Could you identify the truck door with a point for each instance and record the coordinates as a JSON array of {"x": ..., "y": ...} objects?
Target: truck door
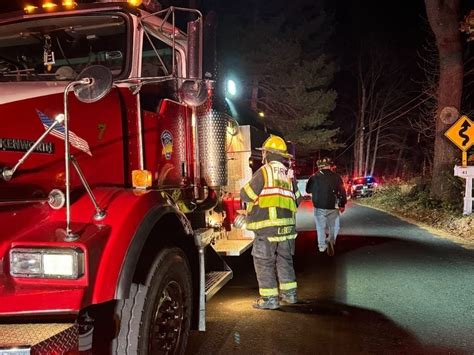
[{"x": 166, "y": 122}]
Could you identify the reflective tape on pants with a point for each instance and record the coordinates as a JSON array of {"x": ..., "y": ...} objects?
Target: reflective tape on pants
[
  {"x": 268, "y": 292},
  {"x": 288, "y": 286},
  {"x": 282, "y": 238}
]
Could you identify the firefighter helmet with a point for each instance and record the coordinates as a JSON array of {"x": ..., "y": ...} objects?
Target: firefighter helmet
[
  {"x": 324, "y": 163},
  {"x": 277, "y": 145}
]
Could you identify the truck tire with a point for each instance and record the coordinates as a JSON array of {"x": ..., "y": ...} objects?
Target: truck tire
[{"x": 156, "y": 317}]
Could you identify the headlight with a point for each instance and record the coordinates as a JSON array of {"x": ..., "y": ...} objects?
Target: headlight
[{"x": 61, "y": 263}]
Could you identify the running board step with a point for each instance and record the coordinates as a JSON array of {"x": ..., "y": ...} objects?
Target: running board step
[
  {"x": 232, "y": 247},
  {"x": 203, "y": 237},
  {"x": 215, "y": 280}
]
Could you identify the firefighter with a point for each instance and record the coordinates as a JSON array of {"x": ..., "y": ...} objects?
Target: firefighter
[{"x": 272, "y": 197}]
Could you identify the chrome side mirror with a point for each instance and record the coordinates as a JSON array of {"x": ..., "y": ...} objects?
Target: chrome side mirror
[
  {"x": 96, "y": 83},
  {"x": 193, "y": 92}
]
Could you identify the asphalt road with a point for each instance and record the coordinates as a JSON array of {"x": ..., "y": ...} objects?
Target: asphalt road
[{"x": 391, "y": 288}]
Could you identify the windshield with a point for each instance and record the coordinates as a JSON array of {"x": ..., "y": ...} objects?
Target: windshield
[{"x": 59, "y": 48}]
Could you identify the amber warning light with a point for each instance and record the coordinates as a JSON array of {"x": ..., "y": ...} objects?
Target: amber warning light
[
  {"x": 135, "y": 2},
  {"x": 50, "y": 6},
  {"x": 141, "y": 179},
  {"x": 30, "y": 9},
  {"x": 69, "y": 4}
]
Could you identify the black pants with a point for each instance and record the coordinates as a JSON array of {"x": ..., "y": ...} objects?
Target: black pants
[{"x": 273, "y": 262}]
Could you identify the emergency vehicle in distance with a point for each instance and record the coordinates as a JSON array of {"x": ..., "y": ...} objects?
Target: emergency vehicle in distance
[{"x": 119, "y": 178}]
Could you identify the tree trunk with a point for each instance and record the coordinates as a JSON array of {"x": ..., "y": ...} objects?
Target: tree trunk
[
  {"x": 367, "y": 151},
  {"x": 443, "y": 16},
  {"x": 361, "y": 146},
  {"x": 356, "y": 148},
  {"x": 400, "y": 156},
  {"x": 254, "y": 96},
  {"x": 376, "y": 148},
  {"x": 359, "y": 161}
]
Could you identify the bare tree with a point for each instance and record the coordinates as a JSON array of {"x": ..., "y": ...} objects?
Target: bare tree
[{"x": 384, "y": 101}]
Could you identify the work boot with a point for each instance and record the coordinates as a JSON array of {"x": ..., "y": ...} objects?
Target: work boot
[
  {"x": 289, "y": 297},
  {"x": 267, "y": 303},
  {"x": 330, "y": 244}
]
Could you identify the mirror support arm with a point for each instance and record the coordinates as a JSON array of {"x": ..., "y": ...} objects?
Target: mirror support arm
[
  {"x": 100, "y": 214},
  {"x": 7, "y": 174},
  {"x": 67, "y": 157}
]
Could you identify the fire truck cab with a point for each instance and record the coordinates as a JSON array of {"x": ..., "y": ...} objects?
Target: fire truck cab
[{"x": 119, "y": 179}]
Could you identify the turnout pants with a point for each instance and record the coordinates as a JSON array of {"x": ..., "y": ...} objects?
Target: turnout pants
[
  {"x": 326, "y": 218},
  {"x": 273, "y": 262}
]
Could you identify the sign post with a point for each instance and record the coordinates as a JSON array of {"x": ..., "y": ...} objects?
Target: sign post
[
  {"x": 461, "y": 133},
  {"x": 468, "y": 174}
]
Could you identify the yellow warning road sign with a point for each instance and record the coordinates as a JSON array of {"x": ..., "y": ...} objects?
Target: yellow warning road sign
[{"x": 461, "y": 133}]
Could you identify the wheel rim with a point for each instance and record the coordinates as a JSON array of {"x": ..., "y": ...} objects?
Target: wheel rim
[{"x": 168, "y": 320}]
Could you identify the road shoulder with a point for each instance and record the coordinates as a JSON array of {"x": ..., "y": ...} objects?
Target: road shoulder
[{"x": 438, "y": 232}]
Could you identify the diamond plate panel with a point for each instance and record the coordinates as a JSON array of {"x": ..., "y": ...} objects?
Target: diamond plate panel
[
  {"x": 38, "y": 338},
  {"x": 212, "y": 128},
  {"x": 172, "y": 134}
]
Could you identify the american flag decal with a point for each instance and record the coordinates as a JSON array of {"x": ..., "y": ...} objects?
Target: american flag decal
[{"x": 59, "y": 132}]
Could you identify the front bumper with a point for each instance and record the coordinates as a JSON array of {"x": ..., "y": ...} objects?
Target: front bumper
[
  {"x": 46, "y": 338},
  {"x": 363, "y": 192}
]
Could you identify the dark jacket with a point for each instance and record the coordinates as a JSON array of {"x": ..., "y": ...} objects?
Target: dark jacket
[{"x": 327, "y": 189}]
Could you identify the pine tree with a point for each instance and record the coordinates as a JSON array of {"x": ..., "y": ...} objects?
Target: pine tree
[{"x": 285, "y": 72}]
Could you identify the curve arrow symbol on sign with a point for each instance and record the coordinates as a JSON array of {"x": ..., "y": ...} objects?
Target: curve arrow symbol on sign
[{"x": 462, "y": 132}]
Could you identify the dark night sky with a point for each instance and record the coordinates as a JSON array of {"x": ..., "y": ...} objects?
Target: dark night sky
[
  {"x": 399, "y": 25},
  {"x": 366, "y": 14},
  {"x": 400, "y": 22}
]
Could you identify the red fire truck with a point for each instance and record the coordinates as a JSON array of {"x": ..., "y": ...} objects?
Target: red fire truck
[{"x": 119, "y": 172}]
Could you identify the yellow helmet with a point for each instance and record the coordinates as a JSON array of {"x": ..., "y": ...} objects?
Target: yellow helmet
[{"x": 276, "y": 145}]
